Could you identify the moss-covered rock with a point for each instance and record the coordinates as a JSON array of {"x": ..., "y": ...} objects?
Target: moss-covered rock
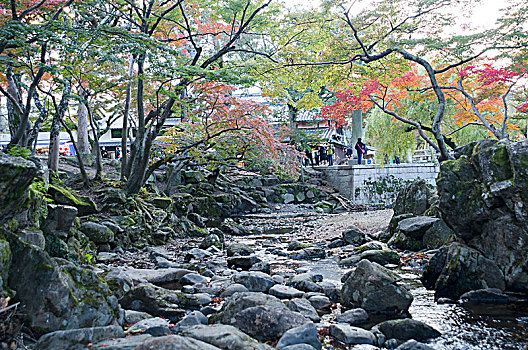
[
  {"x": 16, "y": 174},
  {"x": 5, "y": 258},
  {"x": 61, "y": 195}
]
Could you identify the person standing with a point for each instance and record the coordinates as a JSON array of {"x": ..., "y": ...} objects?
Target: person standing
[
  {"x": 308, "y": 152},
  {"x": 330, "y": 155},
  {"x": 361, "y": 150},
  {"x": 322, "y": 155}
]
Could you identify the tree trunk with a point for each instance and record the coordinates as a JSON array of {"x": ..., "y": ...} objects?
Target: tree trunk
[
  {"x": 124, "y": 130},
  {"x": 97, "y": 149},
  {"x": 60, "y": 110},
  {"x": 83, "y": 142},
  {"x": 13, "y": 114},
  {"x": 292, "y": 116}
]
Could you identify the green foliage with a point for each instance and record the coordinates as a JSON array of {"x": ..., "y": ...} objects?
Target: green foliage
[{"x": 19, "y": 152}]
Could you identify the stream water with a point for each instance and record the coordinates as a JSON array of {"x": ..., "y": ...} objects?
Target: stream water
[{"x": 481, "y": 327}]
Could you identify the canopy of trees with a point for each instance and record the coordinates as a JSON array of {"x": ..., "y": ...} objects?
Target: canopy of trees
[{"x": 82, "y": 64}]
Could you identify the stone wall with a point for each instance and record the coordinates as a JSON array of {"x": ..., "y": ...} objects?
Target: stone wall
[{"x": 371, "y": 184}]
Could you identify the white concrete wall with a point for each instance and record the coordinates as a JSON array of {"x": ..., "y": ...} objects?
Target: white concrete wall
[{"x": 374, "y": 185}]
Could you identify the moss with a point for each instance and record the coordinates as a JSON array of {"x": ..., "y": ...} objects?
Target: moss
[{"x": 63, "y": 196}]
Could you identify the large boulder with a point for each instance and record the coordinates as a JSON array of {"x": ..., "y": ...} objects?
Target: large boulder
[
  {"x": 225, "y": 337},
  {"x": 407, "y": 329},
  {"x": 57, "y": 297},
  {"x": 175, "y": 342},
  {"x": 97, "y": 233},
  {"x": 59, "y": 220},
  {"x": 61, "y": 195},
  {"x": 414, "y": 199},
  {"x": 266, "y": 322},
  {"x": 242, "y": 301},
  {"x": 77, "y": 339},
  {"x": 457, "y": 269},
  {"x": 353, "y": 235},
  {"x": 484, "y": 199},
  {"x": 375, "y": 289},
  {"x": 16, "y": 174},
  {"x": 410, "y": 232}
]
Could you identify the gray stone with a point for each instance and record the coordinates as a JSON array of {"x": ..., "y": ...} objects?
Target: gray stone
[
  {"x": 128, "y": 343},
  {"x": 242, "y": 301},
  {"x": 193, "y": 278},
  {"x": 485, "y": 296},
  {"x": 195, "y": 318},
  {"x": 414, "y": 345},
  {"x": 144, "y": 325},
  {"x": 242, "y": 262},
  {"x": 414, "y": 199},
  {"x": 33, "y": 236},
  {"x": 353, "y": 317},
  {"x": 198, "y": 254},
  {"x": 16, "y": 174},
  {"x": 305, "y": 334},
  {"x": 285, "y": 292},
  {"x": 457, "y": 269},
  {"x": 382, "y": 257},
  {"x": 77, "y": 339},
  {"x": 261, "y": 266},
  {"x": 239, "y": 249},
  {"x": 57, "y": 297},
  {"x": 132, "y": 316},
  {"x": 320, "y": 302},
  {"x": 296, "y": 245},
  {"x": 407, "y": 329},
  {"x": 211, "y": 240},
  {"x": 309, "y": 253},
  {"x": 373, "y": 245},
  {"x": 225, "y": 337},
  {"x": 417, "y": 226},
  {"x": 353, "y": 235},
  {"x": 175, "y": 342},
  {"x": 304, "y": 282},
  {"x": 374, "y": 288},
  {"x": 438, "y": 235},
  {"x": 288, "y": 198},
  {"x": 351, "y": 335},
  {"x": 97, "y": 233},
  {"x": 234, "y": 288},
  {"x": 305, "y": 308},
  {"x": 59, "y": 220},
  {"x": 255, "y": 281},
  {"x": 298, "y": 347},
  {"x": 266, "y": 322}
]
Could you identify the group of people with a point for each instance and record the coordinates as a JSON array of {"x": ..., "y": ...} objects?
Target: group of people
[
  {"x": 320, "y": 155},
  {"x": 324, "y": 154}
]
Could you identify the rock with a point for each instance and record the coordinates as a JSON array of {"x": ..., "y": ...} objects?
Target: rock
[
  {"x": 351, "y": 335},
  {"x": 144, "y": 325},
  {"x": 255, "y": 281},
  {"x": 457, "y": 269},
  {"x": 305, "y": 334},
  {"x": 349, "y": 260},
  {"x": 484, "y": 199},
  {"x": 353, "y": 317},
  {"x": 33, "y": 236},
  {"x": 59, "y": 220},
  {"x": 193, "y": 278},
  {"x": 288, "y": 198},
  {"x": 285, "y": 292},
  {"x": 368, "y": 246},
  {"x": 158, "y": 301},
  {"x": 374, "y": 288},
  {"x": 261, "y": 266},
  {"x": 305, "y": 308},
  {"x": 60, "y": 195},
  {"x": 5, "y": 260},
  {"x": 224, "y": 337},
  {"x": 265, "y": 322},
  {"x": 296, "y": 245},
  {"x": 16, "y": 174},
  {"x": 234, "y": 229},
  {"x": 410, "y": 232},
  {"x": 393, "y": 224},
  {"x": 211, "y": 240},
  {"x": 382, "y": 257},
  {"x": 77, "y": 339},
  {"x": 320, "y": 302},
  {"x": 485, "y": 296},
  {"x": 57, "y": 297},
  {"x": 242, "y": 262},
  {"x": 242, "y": 301},
  {"x": 305, "y": 283},
  {"x": 353, "y": 235},
  {"x": 309, "y": 253},
  {"x": 97, "y": 233},
  {"x": 415, "y": 199},
  {"x": 132, "y": 316},
  {"x": 414, "y": 345},
  {"x": 234, "y": 288},
  {"x": 128, "y": 343},
  {"x": 240, "y": 249},
  {"x": 195, "y": 318},
  {"x": 162, "y": 202},
  {"x": 198, "y": 254},
  {"x": 407, "y": 329},
  {"x": 437, "y": 235},
  {"x": 175, "y": 342}
]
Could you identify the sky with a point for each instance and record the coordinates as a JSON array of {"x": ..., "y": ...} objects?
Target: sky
[{"x": 483, "y": 16}]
